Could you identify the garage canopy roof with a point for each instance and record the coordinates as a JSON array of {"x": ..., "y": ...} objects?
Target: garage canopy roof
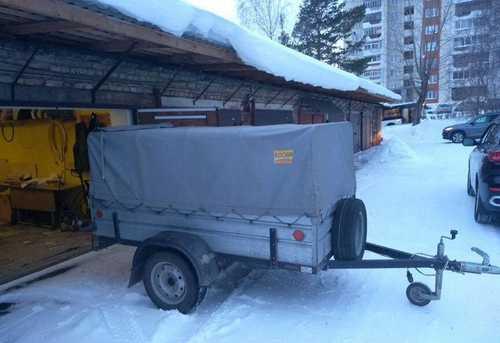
[{"x": 176, "y": 33}]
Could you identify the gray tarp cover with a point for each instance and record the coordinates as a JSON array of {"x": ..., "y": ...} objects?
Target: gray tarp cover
[{"x": 278, "y": 170}]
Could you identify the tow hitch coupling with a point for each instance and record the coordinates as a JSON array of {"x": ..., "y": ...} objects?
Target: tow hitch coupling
[{"x": 420, "y": 294}]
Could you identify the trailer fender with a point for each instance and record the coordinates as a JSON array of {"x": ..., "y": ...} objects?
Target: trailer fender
[{"x": 191, "y": 247}]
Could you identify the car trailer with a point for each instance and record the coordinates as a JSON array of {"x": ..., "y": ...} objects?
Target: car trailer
[
  {"x": 195, "y": 200},
  {"x": 418, "y": 293}
]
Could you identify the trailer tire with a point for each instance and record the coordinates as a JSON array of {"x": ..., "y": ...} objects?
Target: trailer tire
[
  {"x": 171, "y": 283},
  {"x": 349, "y": 229},
  {"x": 417, "y": 292}
]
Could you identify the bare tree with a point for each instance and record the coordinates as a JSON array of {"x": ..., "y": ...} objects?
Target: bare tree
[
  {"x": 421, "y": 50},
  {"x": 267, "y": 16}
]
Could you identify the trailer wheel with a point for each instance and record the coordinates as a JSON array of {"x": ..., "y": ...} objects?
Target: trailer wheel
[
  {"x": 417, "y": 293},
  {"x": 171, "y": 282},
  {"x": 349, "y": 230}
]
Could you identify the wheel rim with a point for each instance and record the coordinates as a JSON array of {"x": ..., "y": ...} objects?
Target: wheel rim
[
  {"x": 458, "y": 137},
  {"x": 358, "y": 243},
  {"x": 417, "y": 294},
  {"x": 168, "y": 282}
]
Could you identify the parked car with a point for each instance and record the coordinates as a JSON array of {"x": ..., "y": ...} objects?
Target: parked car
[
  {"x": 444, "y": 110},
  {"x": 392, "y": 122},
  {"x": 483, "y": 178},
  {"x": 474, "y": 128}
]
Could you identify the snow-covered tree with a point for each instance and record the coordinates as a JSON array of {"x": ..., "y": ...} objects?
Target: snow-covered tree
[{"x": 323, "y": 31}]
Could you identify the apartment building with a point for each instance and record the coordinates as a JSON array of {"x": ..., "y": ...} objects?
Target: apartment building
[
  {"x": 472, "y": 66},
  {"x": 460, "y": 37},
  {"x": 375, "y": 30},
  {"x": 383, "y": 29}
]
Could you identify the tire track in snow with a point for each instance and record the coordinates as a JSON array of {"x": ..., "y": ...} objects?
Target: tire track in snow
[
  {"x": 124, "y": 330},
  {"x": 7, "y": 332},
  {"x": 222, "y": 319}
]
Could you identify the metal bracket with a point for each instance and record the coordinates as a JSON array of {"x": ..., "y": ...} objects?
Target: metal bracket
[
  {"x": 233, "y": 93},
  {"x": 274, "y": 96},
  {"x": 273, "y": 247},
  {"x": 116, "y": 227},
  {"x": 198, "y": 97},
  {"x": 289, "y": 99},
  {"x": 115, "y": 66},
  {"x": 172, "y": 78},
  {"x": 20, "y": 74}
]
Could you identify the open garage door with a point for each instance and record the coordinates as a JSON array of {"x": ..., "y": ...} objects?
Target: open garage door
[{"x": 44, "y": 215}]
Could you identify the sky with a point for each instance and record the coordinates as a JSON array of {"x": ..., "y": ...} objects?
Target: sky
[
  {"x": 228, "y": 8},
  {"x": 224, "y": 8}
]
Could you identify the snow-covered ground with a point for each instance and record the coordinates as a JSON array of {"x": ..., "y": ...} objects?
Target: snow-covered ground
[{"x": 414, "y": 189}]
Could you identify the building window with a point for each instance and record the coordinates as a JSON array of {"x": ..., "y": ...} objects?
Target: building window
[
  {"x": 373, "y": 18},
  {"x": 463, "y": 24},
  {"x": 462, "y": 93},
  {"x": 433, "y": 79},
  {"x": 431, "y": 29},
  {"x": 466, "y": 8},
  {"x": 432, "y": 94},
  {"x": 373, "y": 32},
  {"x": 374, "y": 59},
  {"x": 373, "y": 74},
  {"x": 409, "y": 40},
  {"x": 431, "y": 46},
  {"x": 409, "y": 10},
  {"x": 371, "y": 4},
  {"x": 373, "y": 45},
  {"x": 461, "y": 42},
  {"x": 407, "y": 83},
  {"x": 431, "y": 12},
  {"x": 408, "y": 69},
  {"x": 465, "y": 74},
  {"x": 408, "y": 25},
  {"x": 408, "y": 55}
]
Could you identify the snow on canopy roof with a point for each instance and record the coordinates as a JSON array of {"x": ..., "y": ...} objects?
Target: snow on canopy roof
[{"x": 179, "y": 18}]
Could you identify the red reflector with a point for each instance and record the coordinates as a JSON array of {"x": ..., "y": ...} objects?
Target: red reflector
[
  {"x": 494, "y": 156},
  {"x": 494, "y": 189},
  {"x": 99, "y": 214},
  {"x": 298, "y": 235}
]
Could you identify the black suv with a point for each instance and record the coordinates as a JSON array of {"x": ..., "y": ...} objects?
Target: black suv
[{"x": 483, "y": 179}]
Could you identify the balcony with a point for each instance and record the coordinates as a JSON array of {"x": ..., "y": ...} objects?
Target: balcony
[
  {"x": 372, "y": 5},
  {"x": 373, "y": 18}
]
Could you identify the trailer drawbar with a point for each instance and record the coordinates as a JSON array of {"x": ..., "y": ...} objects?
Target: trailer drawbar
[{"x": 418, "y": 293}]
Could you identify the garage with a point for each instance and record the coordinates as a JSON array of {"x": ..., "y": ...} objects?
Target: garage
[
  {"x": 43, "y": 188},
  {"x": 68, "y": 67}
]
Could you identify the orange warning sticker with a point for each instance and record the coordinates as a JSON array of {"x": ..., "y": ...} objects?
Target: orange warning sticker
[{"x": 283, "y": 156}]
